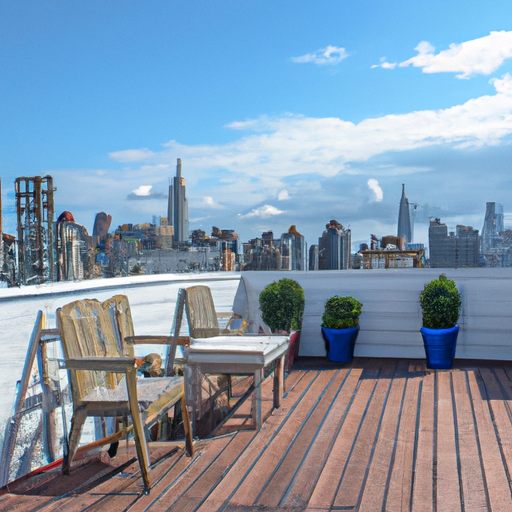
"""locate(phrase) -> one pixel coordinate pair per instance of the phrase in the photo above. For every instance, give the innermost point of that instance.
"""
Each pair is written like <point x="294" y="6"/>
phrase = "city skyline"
<point x="289" y="114"/>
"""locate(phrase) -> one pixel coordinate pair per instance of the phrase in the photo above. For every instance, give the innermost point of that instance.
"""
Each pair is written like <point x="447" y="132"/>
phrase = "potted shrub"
<point x="340" y="327"/>
<point x="440" y="304"/>
<point x="282" y="306"/>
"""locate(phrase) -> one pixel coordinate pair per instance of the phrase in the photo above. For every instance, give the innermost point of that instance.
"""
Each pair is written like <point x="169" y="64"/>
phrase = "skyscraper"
<point x="178" y="207"/>
<point x="493" y="226"/>
<point x="404" y="218"/>
<point x="334" y="247"/>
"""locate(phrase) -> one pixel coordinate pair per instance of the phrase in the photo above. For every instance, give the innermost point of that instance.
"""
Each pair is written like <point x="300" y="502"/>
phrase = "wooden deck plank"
<point x="242" y="469"/>
<point x="250" y="489"/>
<point x="325" y="490"/>
<point x="192" y="489"/>
<point x="424" y="467"/>
<point x="355" y="476"/>
<point x="448" y="496"/>
<point x="502" y="416"/>
<point x="308" y="472"/>
<point x="472" y="476"/>
<point x="400" y="484"/>
<point x="275" y="488"/>
<point x="494" y="466"/>
<point x="375" y="491"/>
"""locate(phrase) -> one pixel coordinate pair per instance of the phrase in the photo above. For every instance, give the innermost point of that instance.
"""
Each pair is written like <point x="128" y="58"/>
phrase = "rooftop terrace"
<point x="379" y="434"/>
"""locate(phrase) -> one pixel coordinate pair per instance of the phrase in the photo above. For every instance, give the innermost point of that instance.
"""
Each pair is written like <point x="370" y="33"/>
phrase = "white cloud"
<point x="373" y="185"/>
<point x="330" y="55"/>
<point x="208" y="202"/>
<point x="477" y="56"/>
<point x="385" y="64"/>
<point x="131" y="155"/>
<point x="263" y="212"/>
<point x="283" y="195"/>
<point x="143" y="190"/>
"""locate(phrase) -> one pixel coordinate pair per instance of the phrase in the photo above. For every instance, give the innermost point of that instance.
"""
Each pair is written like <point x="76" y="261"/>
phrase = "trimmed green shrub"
<point x="341" y="312"/>
<point x="440" y="303"/>
<point x="282" y="305"/>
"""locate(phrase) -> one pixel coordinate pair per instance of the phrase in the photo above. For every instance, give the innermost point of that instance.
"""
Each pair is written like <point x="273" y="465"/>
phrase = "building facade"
<point x="452" y="250"/>
<point x="177" y="214"/>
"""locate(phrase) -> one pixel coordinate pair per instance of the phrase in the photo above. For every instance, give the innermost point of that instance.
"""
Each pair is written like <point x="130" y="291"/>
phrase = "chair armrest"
<point x="156" y="340"/>
<point x="104" y="364"/>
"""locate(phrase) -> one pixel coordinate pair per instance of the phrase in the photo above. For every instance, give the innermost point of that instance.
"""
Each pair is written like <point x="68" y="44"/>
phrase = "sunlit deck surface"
<point x="379" y="434"/>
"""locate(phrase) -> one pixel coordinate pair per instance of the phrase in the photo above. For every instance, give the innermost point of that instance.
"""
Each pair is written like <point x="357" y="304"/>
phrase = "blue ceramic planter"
<point x="340" y="343"/>
<point x="440" y="345"/>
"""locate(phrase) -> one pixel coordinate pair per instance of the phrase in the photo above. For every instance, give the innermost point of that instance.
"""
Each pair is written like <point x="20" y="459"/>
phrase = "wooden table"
<point x="235" y="355"/>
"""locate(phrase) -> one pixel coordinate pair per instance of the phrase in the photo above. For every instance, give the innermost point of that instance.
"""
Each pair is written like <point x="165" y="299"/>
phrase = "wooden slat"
<point x="348" y="493"/>
<point x="250" y="489"/>
<point x="385" y="451"/>
<point x="423" y="498"/>
<point x="498" y="485"/>
<point x="308" y="472"/>
<point x="400" y="482"/>
<point x="274" y="489"/>
<point x="327" y="485"/>
<point x="474" y="488"/>
<point x="242" y="470"/>
<point x="447" y="481"/>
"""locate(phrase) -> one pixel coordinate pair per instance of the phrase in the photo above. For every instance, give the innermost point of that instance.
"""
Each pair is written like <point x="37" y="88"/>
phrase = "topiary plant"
<point x="282" y="305"/>
<point x="440" y="303"/>
<point x="341" y="312"/>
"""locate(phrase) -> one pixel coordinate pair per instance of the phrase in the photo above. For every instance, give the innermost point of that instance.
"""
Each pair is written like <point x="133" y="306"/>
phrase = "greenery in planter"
<point x="341" y="312"/>
<point x="282" y="305"/>
<point x="440" y="303"/>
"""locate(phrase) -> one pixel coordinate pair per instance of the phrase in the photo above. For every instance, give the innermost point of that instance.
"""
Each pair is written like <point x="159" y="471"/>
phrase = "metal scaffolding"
<point x="35" y="213"/>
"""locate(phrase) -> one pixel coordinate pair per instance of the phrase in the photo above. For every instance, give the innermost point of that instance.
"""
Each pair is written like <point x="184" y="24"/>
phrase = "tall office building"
<point x="404" y="218"/>
<point x="493" y="226"/>
<point x="293" y="249"/>
<point x="178" y="207"/>
<point x="334" y="248"/>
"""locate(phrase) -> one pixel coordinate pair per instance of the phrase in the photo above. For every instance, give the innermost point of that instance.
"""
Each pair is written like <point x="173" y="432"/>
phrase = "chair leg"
<point x="138" y="428"/>
<point x="189" y="442"/>
<point x="77" y="422"/>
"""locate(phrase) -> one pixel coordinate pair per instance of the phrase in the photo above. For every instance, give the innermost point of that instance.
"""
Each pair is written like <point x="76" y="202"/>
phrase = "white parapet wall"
<point x="391" y="317"/>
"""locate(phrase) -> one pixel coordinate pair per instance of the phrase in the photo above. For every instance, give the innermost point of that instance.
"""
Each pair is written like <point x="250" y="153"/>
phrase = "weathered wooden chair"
<point x="227" y="351"/>
<point x="103" y="375"/>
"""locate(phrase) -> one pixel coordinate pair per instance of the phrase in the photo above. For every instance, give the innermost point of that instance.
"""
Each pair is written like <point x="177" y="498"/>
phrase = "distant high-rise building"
<point x="452" y="250"/>
<point x="293" y="249"/>
<point x="404" y="218"/>
<point x="334" y="248"/>
<point x="493" y="226"/>
<point x="178" y="207"/>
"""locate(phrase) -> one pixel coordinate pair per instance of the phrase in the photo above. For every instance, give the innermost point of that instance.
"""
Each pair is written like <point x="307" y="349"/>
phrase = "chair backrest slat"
<point x="201" y="314"/>
<point x="118" y="310"/>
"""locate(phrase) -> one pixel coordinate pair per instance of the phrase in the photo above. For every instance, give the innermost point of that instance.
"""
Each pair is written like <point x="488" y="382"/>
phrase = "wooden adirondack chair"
<point x="103" y="375"/>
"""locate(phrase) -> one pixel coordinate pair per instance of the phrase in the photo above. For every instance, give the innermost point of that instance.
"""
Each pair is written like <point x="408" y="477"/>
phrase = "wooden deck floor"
<point x="380" y="435"/>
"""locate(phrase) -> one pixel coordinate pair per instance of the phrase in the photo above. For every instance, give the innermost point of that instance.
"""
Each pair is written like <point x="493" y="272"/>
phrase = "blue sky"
<point x="283" y="112"/>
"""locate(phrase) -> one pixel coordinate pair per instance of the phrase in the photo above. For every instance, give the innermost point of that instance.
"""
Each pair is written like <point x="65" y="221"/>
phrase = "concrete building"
<point x="452" y="250"/>
<point x="178" y="207"/>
